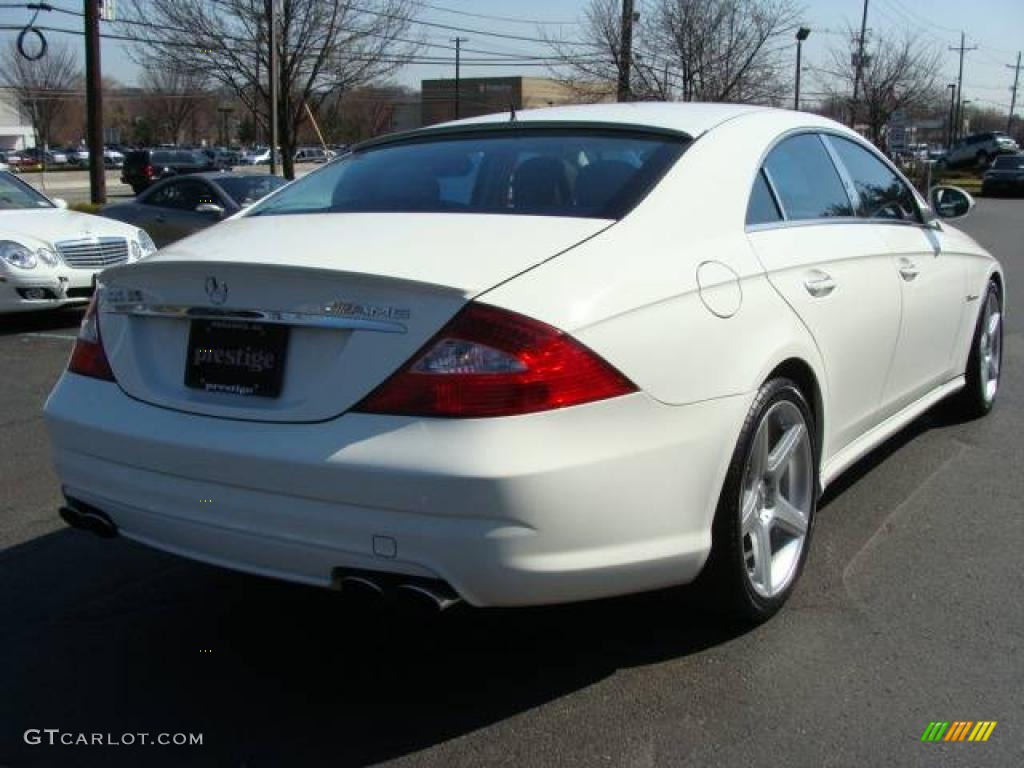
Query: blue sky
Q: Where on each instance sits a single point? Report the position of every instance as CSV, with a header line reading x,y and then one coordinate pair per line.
x,y
996,26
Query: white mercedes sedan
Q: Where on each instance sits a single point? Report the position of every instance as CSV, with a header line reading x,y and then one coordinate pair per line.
x,y
50,256
535,358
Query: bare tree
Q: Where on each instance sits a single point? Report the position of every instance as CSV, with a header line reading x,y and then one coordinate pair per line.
x,y
43,88
900,71
172,97
694,50
324,46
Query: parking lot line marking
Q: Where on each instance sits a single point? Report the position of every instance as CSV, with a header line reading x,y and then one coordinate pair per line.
x,y
41,335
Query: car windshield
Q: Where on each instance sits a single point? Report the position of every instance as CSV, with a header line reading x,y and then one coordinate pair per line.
x,y
1009,162
535,171
16,195
246,190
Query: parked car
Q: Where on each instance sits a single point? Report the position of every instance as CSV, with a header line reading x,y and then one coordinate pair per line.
x,y
36,156
427,367
216,159
977,150
50,256
1006,176
261,157
311,155
113,158
177,207
145,166
77,156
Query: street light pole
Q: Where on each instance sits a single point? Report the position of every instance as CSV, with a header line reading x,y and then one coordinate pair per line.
x,y
801,34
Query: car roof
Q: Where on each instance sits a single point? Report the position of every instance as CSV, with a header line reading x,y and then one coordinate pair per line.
x,y
690,119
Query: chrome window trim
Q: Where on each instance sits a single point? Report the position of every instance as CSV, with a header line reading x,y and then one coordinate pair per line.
x,y
267,316
844,173
928,217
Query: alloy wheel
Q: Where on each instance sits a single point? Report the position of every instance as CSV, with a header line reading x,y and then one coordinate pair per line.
x,y
990,347
777,497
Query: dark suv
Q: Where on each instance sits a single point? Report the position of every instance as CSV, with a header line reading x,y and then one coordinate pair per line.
x,y
143,167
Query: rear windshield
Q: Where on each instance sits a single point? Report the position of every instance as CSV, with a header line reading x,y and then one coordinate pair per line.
x,y
591,174
1009,162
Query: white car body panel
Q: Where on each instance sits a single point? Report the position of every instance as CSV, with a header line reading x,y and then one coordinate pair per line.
x,y
44,227
606,498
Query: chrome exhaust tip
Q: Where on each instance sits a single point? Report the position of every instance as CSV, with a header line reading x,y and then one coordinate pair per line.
x,y
87,518
435,597
359,585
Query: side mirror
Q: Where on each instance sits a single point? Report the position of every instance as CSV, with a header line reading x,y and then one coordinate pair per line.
x,y
950,202
212,209
60,202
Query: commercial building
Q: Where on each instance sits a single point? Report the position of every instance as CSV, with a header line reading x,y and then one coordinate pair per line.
x,y
15,128
486,95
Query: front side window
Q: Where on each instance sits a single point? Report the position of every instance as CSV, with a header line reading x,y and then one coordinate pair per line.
x,y
535,171
883,194
806,180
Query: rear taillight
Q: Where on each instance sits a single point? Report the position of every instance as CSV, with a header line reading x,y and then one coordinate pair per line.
x,y
491,362
88,357
149,171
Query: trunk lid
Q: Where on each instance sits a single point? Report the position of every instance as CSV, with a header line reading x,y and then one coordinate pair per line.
x,y
359,294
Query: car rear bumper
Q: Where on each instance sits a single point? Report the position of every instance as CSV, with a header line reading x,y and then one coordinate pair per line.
x,y
597,500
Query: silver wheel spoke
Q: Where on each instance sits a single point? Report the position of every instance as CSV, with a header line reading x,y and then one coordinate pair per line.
x,y
762,557
789,518
759,455
783,451
749,510
993,324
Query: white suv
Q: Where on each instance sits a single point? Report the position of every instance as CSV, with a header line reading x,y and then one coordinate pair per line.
x,y
979,149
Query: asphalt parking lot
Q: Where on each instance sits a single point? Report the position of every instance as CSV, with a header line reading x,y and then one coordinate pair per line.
x,y
909,611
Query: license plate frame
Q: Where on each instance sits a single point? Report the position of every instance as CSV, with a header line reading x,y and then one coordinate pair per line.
x,y
236,357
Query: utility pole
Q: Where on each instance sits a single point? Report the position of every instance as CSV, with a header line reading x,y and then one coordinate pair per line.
x,y
952,114
94,103
273,86
960,84
858,69
1013,98
626,50
458,73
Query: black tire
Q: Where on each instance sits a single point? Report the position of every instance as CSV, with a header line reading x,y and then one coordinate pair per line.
x,y
725,584
972,402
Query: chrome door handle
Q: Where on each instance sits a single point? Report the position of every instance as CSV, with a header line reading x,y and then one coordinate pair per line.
x,y
908,270
819,284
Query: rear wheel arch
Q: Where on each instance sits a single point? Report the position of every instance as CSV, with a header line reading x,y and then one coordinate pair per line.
x,y
803,375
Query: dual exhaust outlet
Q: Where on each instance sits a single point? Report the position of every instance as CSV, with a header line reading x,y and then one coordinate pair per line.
x,y
433,594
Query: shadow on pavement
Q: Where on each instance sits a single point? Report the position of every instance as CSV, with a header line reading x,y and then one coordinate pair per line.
x,y
110,637
66,319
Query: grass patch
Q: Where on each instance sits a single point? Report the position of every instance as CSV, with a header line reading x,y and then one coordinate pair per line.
x,y
93,208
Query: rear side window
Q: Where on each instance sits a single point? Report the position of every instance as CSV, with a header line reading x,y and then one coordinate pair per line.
x,y
762,208
883,194
534,171
806,180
